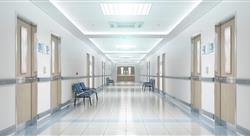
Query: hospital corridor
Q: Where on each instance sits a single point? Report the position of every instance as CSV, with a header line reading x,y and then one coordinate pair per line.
x,y
124,67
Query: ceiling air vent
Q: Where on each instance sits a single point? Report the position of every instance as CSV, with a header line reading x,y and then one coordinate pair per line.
x,y
125,24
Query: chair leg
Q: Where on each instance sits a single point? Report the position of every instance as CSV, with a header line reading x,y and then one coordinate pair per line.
x,y
83,100
75,102
96,96
90,100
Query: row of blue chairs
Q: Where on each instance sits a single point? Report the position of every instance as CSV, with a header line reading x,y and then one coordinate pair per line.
x,y
81,91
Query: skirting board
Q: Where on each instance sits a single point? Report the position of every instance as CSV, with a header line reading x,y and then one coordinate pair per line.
x,y
201,112
8,131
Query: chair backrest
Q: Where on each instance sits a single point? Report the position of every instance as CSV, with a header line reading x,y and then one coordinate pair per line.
x,y
152,82
73,88
82,85
76,88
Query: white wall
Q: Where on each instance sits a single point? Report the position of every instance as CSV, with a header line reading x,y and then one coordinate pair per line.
x,y
178,54
73,57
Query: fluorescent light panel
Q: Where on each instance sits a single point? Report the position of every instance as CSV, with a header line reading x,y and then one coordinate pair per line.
x,y
125,9
125,46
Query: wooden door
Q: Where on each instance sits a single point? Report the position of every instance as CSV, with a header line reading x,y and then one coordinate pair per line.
x,y
158,72
163,72
93,72
55,72
196,72
88,69
225,87
149,71
26,73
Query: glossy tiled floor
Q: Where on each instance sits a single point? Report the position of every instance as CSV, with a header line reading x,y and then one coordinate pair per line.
x,y
125,110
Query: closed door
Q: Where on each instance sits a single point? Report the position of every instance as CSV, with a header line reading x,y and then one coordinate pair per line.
x,y
93,72
163,72
102,73
148,72
196,72
26,87
158,72
88,69
55,72
225,88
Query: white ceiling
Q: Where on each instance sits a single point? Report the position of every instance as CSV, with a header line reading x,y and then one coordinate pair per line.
x,y
163,17
136,44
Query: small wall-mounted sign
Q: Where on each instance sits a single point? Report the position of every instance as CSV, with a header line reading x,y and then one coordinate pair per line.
x,y
207,48
210,48
42,48
203,50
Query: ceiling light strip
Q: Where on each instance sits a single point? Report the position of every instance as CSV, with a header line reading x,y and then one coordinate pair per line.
x,y
125,9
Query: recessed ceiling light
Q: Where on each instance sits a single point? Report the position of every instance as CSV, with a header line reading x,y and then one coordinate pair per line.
x,y
126,46
125,9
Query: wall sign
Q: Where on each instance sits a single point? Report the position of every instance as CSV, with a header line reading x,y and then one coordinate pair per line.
x,y
210,48
42,48
207,48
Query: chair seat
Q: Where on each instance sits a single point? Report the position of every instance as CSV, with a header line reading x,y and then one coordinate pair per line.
x,y
149,84
81,91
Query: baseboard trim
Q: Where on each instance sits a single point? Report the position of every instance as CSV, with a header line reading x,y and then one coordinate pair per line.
x,y
8,131
66,104
200,112
207,114
177,99
43,114
24,125
242,130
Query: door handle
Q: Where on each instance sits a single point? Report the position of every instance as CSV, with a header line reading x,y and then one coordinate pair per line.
x,y
195,77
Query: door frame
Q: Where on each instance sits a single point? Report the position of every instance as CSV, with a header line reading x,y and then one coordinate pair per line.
x,y
163,71
149,72
158,72
102,73
88,68
196,90
93,71
219,78
33,65
56,77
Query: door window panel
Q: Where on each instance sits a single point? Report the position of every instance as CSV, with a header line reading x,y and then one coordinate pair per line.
x,y
53,56
198,52
227,49
24,50
129,70
121,70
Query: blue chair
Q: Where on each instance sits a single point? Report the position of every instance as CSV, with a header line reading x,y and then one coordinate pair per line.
x,y
79,93
91,90
108,81
150,85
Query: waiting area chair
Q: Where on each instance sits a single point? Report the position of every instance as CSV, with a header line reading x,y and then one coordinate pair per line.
x,y
81,91
108,81
150,85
